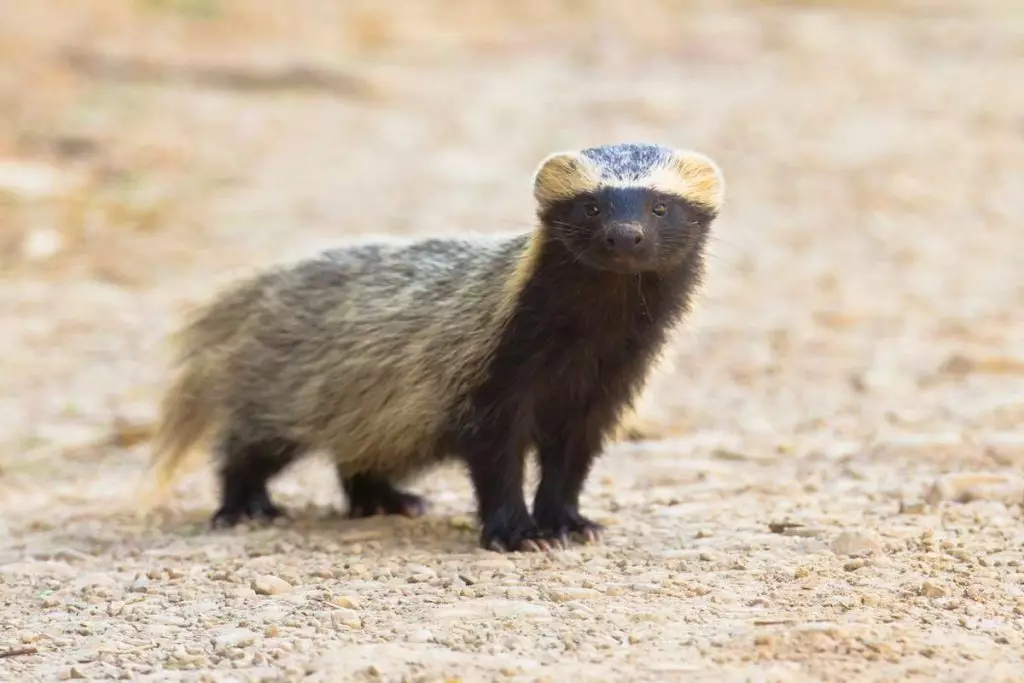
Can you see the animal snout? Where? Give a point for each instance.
(624, 238)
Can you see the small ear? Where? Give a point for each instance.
(701, 179)
(562, 175)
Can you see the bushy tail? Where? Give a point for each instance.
(189, 407)
(186, 417)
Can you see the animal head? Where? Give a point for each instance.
(629, 207)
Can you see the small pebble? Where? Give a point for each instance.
(856, 542)
(570, 593)
(964, 487)
(870, 600)
(496, 564)
(347, 601)
(346, 617)
(270, 585)
(234, 638)
(413, 568)
(520, 609)
(420, 636)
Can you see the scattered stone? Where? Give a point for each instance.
(496, 564)
(960, 364)
(70, 555)
(418, 573)
(932, 590)
(520, 609)
(270, 585)
(72, 673)
(234, 638)
(462, 523)
(1007, 448)
(961, 554)
(856, 542)
(854, 565)
(347, 601)
(420, 636)
(645, 587)
(917, 508)
(346, 617)
(413, 568)
(33, 180)
(570, 593)
(244, 593)
(274, 613)
(730, 455)
(914, 441)
(964, 487)
(360, 535)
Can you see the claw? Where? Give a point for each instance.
(394, 502)
(566, 523)
(258, 509)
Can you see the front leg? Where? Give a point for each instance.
(566, 450)
(495, 458)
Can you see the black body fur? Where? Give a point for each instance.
(571, 359)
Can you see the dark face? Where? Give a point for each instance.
(627, 230)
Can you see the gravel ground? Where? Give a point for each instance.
(827, 481)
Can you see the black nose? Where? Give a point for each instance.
(624, 238)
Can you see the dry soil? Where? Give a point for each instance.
(829, 481)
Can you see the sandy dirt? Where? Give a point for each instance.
(829, 483)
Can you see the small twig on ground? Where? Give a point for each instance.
(18, 652)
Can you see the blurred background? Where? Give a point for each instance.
(864, 269)
(860, 337)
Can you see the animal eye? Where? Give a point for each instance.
(592, 209)
(660, 209)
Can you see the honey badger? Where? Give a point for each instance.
(396, 356)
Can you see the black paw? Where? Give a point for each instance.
(373, 499)
(514, 531)
(256, 508)
(565, 522)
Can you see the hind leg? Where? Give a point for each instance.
(370, 495)
(246, 469)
